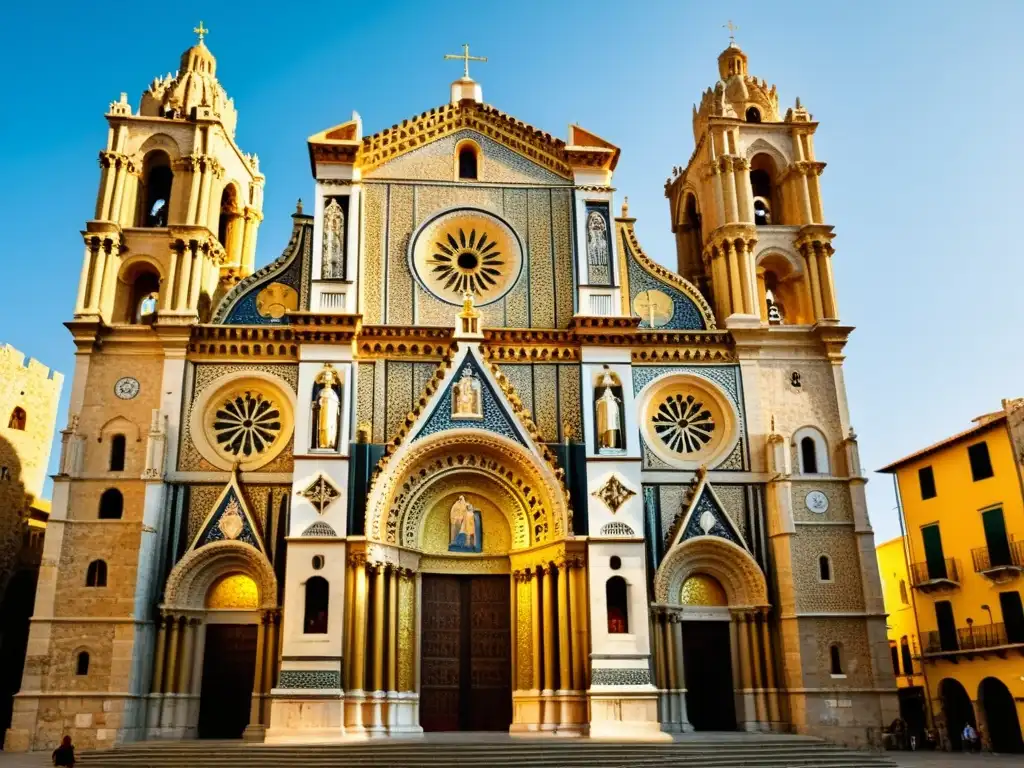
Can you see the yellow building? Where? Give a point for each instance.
(901, 627)
(962, 508)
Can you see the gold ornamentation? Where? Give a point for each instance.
(467, 250)
(655, 307)
(613, 493)
(276, 299)
(466, 400)
(246, 424)
(683, 423)
(701, 589)
(320, 493)
(231, 522)
(201, 31)
(466, 58)
(235, 591)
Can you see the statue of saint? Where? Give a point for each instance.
(332, 263)
(464, 523)
(328, 407)
(609, 428)
(598, 261)
(466, 397)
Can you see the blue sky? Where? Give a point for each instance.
(920, 126)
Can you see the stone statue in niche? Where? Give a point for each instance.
(608, 408)
(332, 264)
(466, 402)
(774, 308)
(599, 267)
(465, 529)
(326, 409)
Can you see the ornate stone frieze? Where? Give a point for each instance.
(621, 676)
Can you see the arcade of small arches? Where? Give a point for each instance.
(992, 713)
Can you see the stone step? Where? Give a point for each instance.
(711, 751)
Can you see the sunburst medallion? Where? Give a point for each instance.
(683, 423)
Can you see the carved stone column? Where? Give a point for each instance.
(391, 678)
(771, 680)
(677, 644)
(549, 630)
(756, 653)
(535, 628)
(188, 258)
(564, 629)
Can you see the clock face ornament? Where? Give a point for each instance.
(817, 502)
(126, 388)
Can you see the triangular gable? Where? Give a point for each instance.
(690, 310)
(286, 281)
(706, 516)
(496, 417)
(230, 520)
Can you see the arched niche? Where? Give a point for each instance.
(192, 578)
(137, 294)
(781, 284)
(732, 567)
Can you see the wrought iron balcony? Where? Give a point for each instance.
(972, 639)
(932, 577)
(999, 566)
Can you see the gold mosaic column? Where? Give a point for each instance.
(348, 622)
(406, 631)
(578, 604)
(549, 630)
(359, 631)
(564, 630)
(378, 625)
(392, 668)
(535, 629)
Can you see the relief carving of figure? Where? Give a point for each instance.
(332, 265)
(609, 415)
(327, 409)
(465, 531)
(466, 403)
(598, 261)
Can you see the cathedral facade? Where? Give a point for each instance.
(463, 457)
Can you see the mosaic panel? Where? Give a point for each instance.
(399, 397)
(495, 418)
(203, 497)
(435, 161)
(517, 310)
(375, 206)
(840, 509)
(570, 398)
(406, 634)
(670, 498)
(845, 592)
(627, 676)
(542, 276)
(524, 637)
(685, 315)
(521, 378)
(732, 497)
(545, 380)
(708, 519)
(399, 278)
(364, 395)
(565, 283)
(319, 679)
(379, 400)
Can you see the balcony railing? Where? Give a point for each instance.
(927, 575)
(976, 638)
(985, 560)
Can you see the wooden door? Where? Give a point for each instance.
(229, 670)
(466, 670)
(707, 666)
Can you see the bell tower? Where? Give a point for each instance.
(178, 206)
(746, 210)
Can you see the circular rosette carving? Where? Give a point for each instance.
(688, 421)
(245, 421)
(466, 251)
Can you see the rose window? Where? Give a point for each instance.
(466, 251)
(246, 425)
(683, 423)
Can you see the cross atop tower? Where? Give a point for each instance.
(200, 30)
(466, 58)
(732, 31)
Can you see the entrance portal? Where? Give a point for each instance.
(466, 673)
(707, 664)
(229, 669)
(1000, 716)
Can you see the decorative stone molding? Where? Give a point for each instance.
(738, 572)
(193, 575)
(630, 676)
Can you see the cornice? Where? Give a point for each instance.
(432, 343)
(530, 345)
(248, 342)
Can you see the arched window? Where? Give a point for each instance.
(616, 598)
(111, 504)
(835, 654)
(811, 452)
(96, 574)
(19, 419)
(229, 224)
(315, 620)
(753, 115)
(157, 179)
(808, 456)
(762, 185)
(824, 568)
(117, 447)
(143, 296)
(82, 663)
(467, 162)
(903, 592)
(908, 659)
